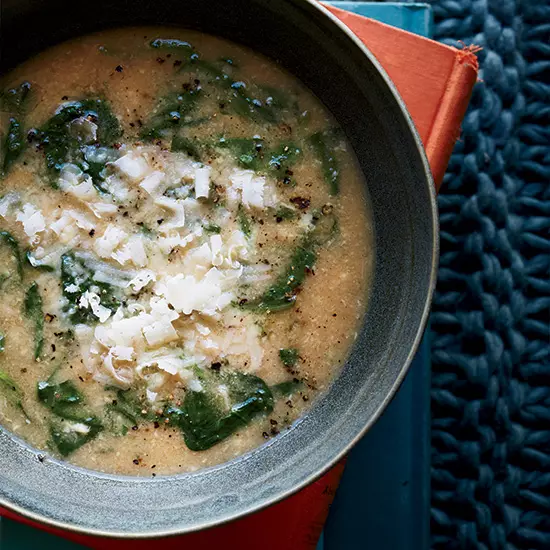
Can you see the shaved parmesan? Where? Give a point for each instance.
(202, 181)
(142, 279)
(33, 221)
(133, 251)
(111, 239)
(160, 332)
(101, 209)
(187, 294)
(132, 165)
(176, 206)
(152, 182)
(6, 202)
(253, 192)
(90, 300)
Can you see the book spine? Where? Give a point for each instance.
(451, 111)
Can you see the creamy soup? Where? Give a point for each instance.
(185, 251)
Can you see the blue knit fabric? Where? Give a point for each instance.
(491, 315)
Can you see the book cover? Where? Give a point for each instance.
(434, 80)
(437, 117)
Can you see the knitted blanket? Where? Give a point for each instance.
(491, 315)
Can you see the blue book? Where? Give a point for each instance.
(383, 501)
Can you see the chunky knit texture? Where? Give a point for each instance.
(491, 315)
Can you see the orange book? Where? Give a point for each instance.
(436, 82)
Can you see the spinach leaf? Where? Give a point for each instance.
(244, 221)
(12, 243)
(13, 144)
(73, 426)
(209, 71)
(94, 163)
(247, 100)
(188, 146)
(284, 156)
(32, 307)
(2, 342)
(288, 356)
(212, 228)
(12, 390)
(77, 278)
(63, 399)
(13, 101)
(329, 163)
(287, 388)
(282, 294)
(3, 278)
(171, 113)
(202, 417)
(130, 406)
(284, 213)
(70, 436)
(254, 154)
(37, 264)
(249, 153)
(325, 226)
(58, 140)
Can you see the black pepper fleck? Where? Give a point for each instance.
(119, 68)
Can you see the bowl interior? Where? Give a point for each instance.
(308, 42)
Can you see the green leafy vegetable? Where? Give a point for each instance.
(325, 226)
(171, 113)
(255, 102)
(62, 399)
(205, 421)
(188, 146)
(77, 278)
(74, 426)
(3, 278)
(287, 388)
(12, 391)
(32, 307)
(60, 141)
(13, 144)
(212, 228)
(282, 295)
(37, 264)
(13, 101)
(284, 213)
(244, 221)
(289, 356)
(254, 154)
(69, 436)
(128, 405)
(283, 157)
(329, 163)
(249, 153)
(8, 239)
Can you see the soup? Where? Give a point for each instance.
(185, 251)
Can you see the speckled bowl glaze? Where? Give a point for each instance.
(325, 55)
